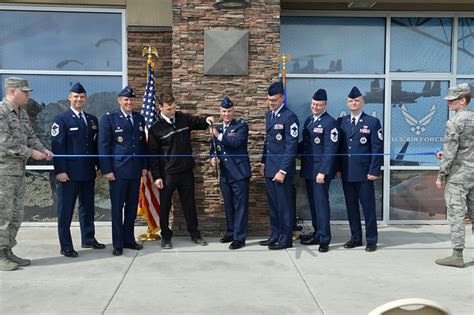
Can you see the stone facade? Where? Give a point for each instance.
(201, 95)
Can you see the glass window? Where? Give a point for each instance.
(466, 46)
(334, 44)
(418, 110)
(40, 40)
(40, 198)
(414, 196)
(300, 92)
(420, 45)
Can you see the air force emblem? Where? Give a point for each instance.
(54, 130)
(294, 130)
(334, 135)
(418, 125)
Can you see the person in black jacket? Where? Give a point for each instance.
(170, 137)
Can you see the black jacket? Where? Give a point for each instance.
(166, 139)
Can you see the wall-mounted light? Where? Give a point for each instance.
(361, 4)
(231, 4)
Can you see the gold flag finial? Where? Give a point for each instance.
(284, 58)
(150, 51)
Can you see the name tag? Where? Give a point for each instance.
(74, 128)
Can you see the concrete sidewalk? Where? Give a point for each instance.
(191, 279)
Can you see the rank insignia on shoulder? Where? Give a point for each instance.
(380, 134)
(54, 129)
(294, 130)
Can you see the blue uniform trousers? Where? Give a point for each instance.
(67, 196)
(236, 205)
(363, 191)
(282, 209)
(318, 197)
(124, 197)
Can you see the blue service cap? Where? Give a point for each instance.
(320, 95)
(77, 88)
(354, 93)
(127, 92)
(275, 88)
(226, 102)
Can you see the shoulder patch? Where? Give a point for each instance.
(334, 135)
(54, 129)
(294, 130)
(380, 134)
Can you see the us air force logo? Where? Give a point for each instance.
(317, 140)
(54, 129)
(380, 134)
(418, 125)
(279, 136)
(294, 130)
(334, 135)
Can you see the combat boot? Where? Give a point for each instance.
(456, 260)
(19, 261)
(5, 263)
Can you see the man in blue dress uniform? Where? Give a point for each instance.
(74, 132)
(360, 134)
(229, 150)
(318, 148)
(278, 167)
(122, 134)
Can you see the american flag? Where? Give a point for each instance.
(149, 201)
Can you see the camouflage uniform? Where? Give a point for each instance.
(456, 170)
(17, 139)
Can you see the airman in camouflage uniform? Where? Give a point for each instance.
(456, 170)
(18, 143)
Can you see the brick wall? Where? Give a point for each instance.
(199, 94)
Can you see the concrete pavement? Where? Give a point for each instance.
(191, 279)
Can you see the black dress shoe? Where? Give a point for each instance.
(134, 246)
(226, 239)
(323, 248)
(199, 241)
(371, 248)
(166, 244)
(96, 245)
(310, 241)
(237, 244)
(267, 242)
(69, 253)
(117, 252)
(352, 244)
(278, 246)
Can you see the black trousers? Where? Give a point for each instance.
(184, 183)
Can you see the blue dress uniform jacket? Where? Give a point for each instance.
(234, 176)
(71, 136)
(318, 148)
(234, 143)
(365, 138)
(280, 148)
(118, 136)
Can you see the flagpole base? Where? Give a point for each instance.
(149, 237)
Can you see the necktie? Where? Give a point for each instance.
(273, 115)
(224, 127)
(83, 121)
(353, 123)
(129, 118)
(172, 121)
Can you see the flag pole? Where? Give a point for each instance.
(150, 235)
